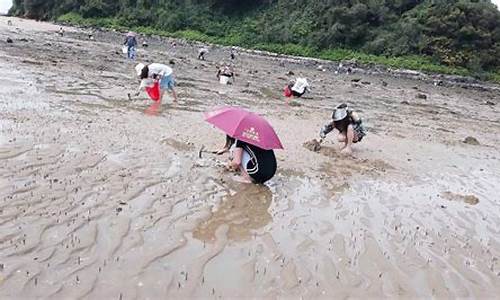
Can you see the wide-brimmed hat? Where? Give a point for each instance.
(340, 112)
(138, 69)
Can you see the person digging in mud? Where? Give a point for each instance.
(131, 43)
(201, 53)
(255, 164)
(160, 72)
(225, 73)
(297, 88)
(348, 124)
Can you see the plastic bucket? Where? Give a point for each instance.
(224, 79)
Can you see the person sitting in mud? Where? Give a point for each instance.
(297, 88)
(159, 72)
(255, 164)
(202, 52)
(348, 124)
(225, 73)
(131, 43)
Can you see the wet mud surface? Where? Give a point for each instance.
(106, 197)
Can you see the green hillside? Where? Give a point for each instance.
(433, 35)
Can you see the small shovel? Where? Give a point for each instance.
(202, 150)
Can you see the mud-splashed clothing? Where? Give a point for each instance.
(259, 164)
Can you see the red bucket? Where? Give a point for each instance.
(287, 92)
(154, 91)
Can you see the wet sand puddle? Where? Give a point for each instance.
(106, 197)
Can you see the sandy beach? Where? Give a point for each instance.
(102, 197)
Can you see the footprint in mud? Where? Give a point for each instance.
(243, 212)
(469, 199)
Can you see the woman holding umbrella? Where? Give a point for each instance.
(254, 140)
(256, 165)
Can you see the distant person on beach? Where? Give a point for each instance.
(255, 164)
(225, 73)
(297, 88)
(233, 53)
(202, 52)
(131, 43)
(61, 31)
(159, 72)
(9, 23)
(348, 124)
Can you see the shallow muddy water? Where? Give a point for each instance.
(106, 197)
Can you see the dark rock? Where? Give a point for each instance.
(366, 82)
(490, 103)
(384, 83)
(405, 102)
(471, 141)
(290, 73)
(9, 40)
(356, 80)
(172, 62)
(421, 96)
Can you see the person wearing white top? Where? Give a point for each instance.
(160, 72)
(300, 87)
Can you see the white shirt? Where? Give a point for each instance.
(300, 85)
(159, 69)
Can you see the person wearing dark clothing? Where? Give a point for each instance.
(256, 164)
(131, 43)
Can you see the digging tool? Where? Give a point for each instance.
(203, 150)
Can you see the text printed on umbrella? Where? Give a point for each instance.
(251, 134)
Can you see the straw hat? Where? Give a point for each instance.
(138, 69)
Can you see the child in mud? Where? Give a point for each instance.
(349, 126)
(255, 164)
(160, 72)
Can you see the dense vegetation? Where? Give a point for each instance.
(435, 35)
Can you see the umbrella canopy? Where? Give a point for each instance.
(245, 126)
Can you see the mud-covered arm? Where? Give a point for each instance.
(326, 130)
